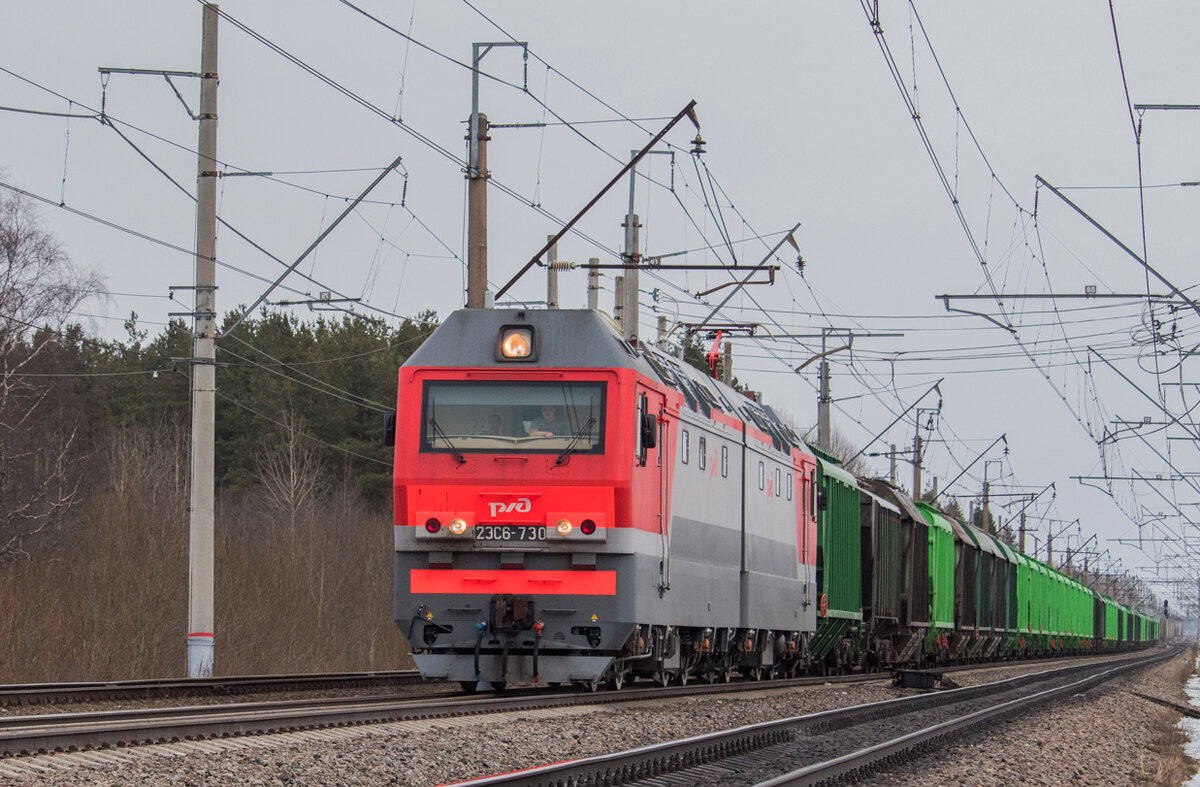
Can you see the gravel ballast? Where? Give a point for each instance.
(1102, 738)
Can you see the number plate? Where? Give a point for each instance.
(510, 533)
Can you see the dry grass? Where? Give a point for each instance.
(311, 595)
(1166, 764)
(109, 599)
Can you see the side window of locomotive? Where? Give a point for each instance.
(685, 449)
(762, 476)
(702, 453)
(724, 461)
(778, 483)
(789, 485)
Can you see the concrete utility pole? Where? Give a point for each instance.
(632, 257)
(824, 438)
(204, 323)
(619, 303)
(824, 399)
(477, 177)
(593, 290)
(917, 465)
(551, 275)
(892, 474)
(1021, 539)
(985, 513)
(727, 365)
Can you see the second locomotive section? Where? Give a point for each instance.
(570, 508)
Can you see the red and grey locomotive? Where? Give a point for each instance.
(570, 507)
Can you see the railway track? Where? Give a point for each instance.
(100, 691)
(845, 744)
(29, 735)
(33, 694)
(65, 732)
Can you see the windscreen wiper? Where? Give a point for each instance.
(586, 429)
(453, 448)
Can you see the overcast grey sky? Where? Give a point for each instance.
(804, 122)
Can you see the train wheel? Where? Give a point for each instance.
(662, 678)
(682, 677)
(499, 685)
(590, 686)
(468, 686)
(616, 681)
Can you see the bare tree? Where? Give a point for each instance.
(841, 447)
(290, 471)
(39, 290)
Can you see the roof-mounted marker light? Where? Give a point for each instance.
(516, 343)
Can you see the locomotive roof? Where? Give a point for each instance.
(587, 339)
(576, 338)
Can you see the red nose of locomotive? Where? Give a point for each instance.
(507, 493)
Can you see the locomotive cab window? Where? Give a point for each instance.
(512, 417)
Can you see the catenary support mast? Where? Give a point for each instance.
(200, 540)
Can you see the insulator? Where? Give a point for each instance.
(562, 265)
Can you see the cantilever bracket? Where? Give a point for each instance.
(988, 317)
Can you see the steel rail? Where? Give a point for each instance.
(861, 763)
(47, 693)
(659, 760)
(45, 733)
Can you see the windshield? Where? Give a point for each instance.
(513, 417)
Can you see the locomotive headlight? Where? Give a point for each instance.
(516, 343)
(458, 526)
(564, 527)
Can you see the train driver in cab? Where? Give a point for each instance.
(548, 424)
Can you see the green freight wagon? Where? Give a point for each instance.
(839, 555)
(941, 580)
(881, 565)
(1040, 607)
(967, 570)
(1024, 603)
(991, 601)
(1111, 618)
(908, 641)
(1098, 621)
(1004, 600)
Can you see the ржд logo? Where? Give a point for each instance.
(519, 506)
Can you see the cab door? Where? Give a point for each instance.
(652, 472)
